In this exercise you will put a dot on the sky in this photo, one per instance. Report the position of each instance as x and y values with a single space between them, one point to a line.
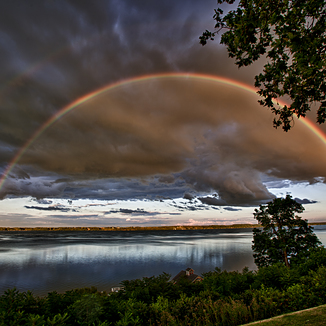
113 114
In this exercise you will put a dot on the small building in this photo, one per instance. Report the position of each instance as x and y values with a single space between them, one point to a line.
188 274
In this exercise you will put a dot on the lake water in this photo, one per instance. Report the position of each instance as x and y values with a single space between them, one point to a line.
60 261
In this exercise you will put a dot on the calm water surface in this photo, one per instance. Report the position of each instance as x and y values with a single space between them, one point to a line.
49 261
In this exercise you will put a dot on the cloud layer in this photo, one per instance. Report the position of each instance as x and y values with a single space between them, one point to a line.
155 139
164 137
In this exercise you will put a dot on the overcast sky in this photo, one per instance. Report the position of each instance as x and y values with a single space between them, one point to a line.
182 146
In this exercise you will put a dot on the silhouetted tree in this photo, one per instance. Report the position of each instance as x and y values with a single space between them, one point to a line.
291 35
285 237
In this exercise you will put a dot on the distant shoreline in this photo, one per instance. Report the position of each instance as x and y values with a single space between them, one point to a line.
141 228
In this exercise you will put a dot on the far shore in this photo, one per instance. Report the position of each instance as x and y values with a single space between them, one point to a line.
141 228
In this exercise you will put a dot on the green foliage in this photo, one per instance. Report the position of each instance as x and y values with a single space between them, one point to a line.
291 35
276 276
223 284
133 311
148 289
87 309
316 259
128 319
223 298
58 320
35 320
285 236
14 305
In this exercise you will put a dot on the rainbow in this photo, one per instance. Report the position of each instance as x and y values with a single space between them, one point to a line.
133 80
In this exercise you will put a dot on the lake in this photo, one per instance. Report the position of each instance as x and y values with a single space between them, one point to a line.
60 261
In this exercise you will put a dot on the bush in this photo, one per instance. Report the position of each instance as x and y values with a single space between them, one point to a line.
223 298
226 284
276 276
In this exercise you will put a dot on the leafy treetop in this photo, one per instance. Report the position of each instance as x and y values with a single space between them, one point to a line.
285 236
291 34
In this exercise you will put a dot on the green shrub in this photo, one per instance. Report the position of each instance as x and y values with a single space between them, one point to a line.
228 283
88 309
223 298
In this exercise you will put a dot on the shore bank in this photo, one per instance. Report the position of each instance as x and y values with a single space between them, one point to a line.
140 228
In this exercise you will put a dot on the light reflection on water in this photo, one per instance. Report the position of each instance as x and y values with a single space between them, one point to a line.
48 261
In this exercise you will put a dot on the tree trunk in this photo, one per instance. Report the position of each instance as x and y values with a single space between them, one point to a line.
285 258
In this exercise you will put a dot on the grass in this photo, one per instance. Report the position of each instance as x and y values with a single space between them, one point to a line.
309 317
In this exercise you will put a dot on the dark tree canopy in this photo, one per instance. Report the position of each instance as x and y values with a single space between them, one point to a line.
291 35
285 236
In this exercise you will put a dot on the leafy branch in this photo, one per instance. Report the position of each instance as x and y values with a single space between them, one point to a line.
291 35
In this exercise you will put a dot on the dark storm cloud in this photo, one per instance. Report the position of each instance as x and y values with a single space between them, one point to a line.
104 189
53 52
50 208
38 187
132 212
195 205
138 212
212 201
174 138
155 139
305 201
188 196
44 202
232 209
74 217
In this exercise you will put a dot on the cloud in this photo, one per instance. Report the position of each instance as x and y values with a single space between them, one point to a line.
305 201
188 196
154 139
167 149
38 187
76 217
138 212
132 212
50 208
194 205
232 209
44 201
212 201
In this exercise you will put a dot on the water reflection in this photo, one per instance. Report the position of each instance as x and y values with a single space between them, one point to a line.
48 261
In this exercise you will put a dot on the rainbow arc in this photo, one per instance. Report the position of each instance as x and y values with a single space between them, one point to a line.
130 81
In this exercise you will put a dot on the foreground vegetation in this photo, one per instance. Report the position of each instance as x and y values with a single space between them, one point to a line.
222 298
